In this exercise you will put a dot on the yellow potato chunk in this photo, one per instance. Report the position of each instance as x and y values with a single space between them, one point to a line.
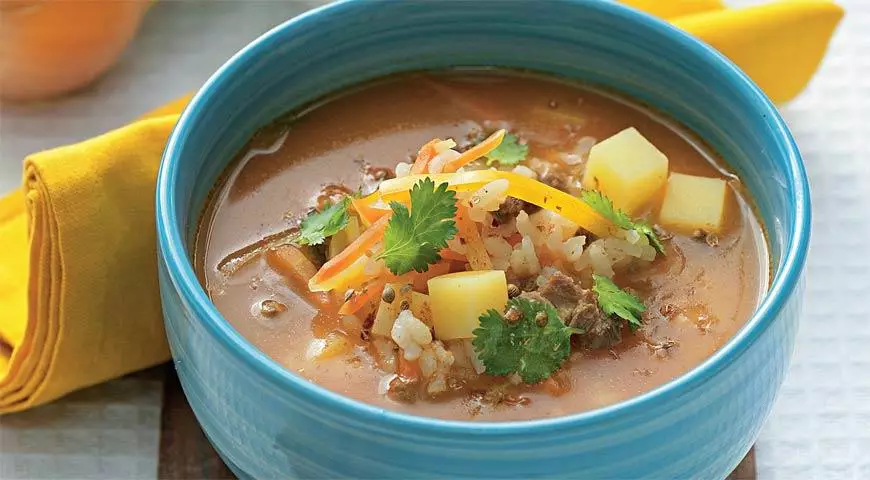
693 203
627 168
458 299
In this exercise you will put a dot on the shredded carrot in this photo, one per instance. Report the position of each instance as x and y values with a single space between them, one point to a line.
360 299
420 281
350 255
409 370
368 214
424 156
448 254
476 252
489 144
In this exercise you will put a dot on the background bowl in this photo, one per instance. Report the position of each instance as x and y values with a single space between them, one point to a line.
267 422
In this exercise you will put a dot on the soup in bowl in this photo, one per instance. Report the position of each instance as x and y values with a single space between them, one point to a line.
524 248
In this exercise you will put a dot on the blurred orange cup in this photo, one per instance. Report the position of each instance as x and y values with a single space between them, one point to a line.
51 47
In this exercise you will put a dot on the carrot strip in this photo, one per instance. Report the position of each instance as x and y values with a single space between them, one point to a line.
360 299
420 281
489 144
448 254
349 256
477 255
424 156
368 214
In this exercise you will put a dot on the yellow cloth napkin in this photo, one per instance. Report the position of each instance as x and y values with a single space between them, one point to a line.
78 274
79 302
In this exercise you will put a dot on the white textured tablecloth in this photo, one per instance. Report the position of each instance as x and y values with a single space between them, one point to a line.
820 427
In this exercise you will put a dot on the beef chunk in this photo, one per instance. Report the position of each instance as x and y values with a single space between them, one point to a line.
525 283
509 209
403 390
555 179
578 308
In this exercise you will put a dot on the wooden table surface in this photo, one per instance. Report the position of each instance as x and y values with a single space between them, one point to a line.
186 454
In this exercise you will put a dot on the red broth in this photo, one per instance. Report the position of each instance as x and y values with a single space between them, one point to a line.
697 296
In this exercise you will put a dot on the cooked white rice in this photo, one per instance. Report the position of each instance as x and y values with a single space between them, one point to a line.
403 169
410 334
525 171
435 363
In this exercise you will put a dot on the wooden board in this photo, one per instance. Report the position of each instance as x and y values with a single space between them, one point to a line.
185 453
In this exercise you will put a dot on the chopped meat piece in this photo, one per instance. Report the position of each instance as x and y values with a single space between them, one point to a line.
525 284
535 297
564 293
710 238
578 308
494 395
555 179
663 348
373 176
378 173
668 310
500 395
403 390
600 330
509 209
332 193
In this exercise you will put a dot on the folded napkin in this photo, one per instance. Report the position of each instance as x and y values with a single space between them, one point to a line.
79 302
78 273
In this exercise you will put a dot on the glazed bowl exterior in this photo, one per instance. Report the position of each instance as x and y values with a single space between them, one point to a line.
267 422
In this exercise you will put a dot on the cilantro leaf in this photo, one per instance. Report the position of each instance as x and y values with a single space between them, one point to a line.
615 301
318 225
524 347
509 152
492 342
414 238
605 208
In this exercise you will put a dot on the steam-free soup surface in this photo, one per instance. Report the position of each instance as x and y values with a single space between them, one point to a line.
697 295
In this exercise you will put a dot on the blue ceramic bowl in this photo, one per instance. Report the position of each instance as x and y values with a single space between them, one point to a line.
267 422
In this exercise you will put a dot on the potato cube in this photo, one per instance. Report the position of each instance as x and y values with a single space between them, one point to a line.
458 299
627 168
693 203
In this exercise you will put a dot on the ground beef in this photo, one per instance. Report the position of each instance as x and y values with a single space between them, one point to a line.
555 179
332 193
404 391
525 283
508 210
578 308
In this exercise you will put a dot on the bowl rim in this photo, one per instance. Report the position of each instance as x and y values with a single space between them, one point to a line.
185 281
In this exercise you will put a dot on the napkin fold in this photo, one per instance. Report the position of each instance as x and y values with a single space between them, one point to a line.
79 301
78 272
